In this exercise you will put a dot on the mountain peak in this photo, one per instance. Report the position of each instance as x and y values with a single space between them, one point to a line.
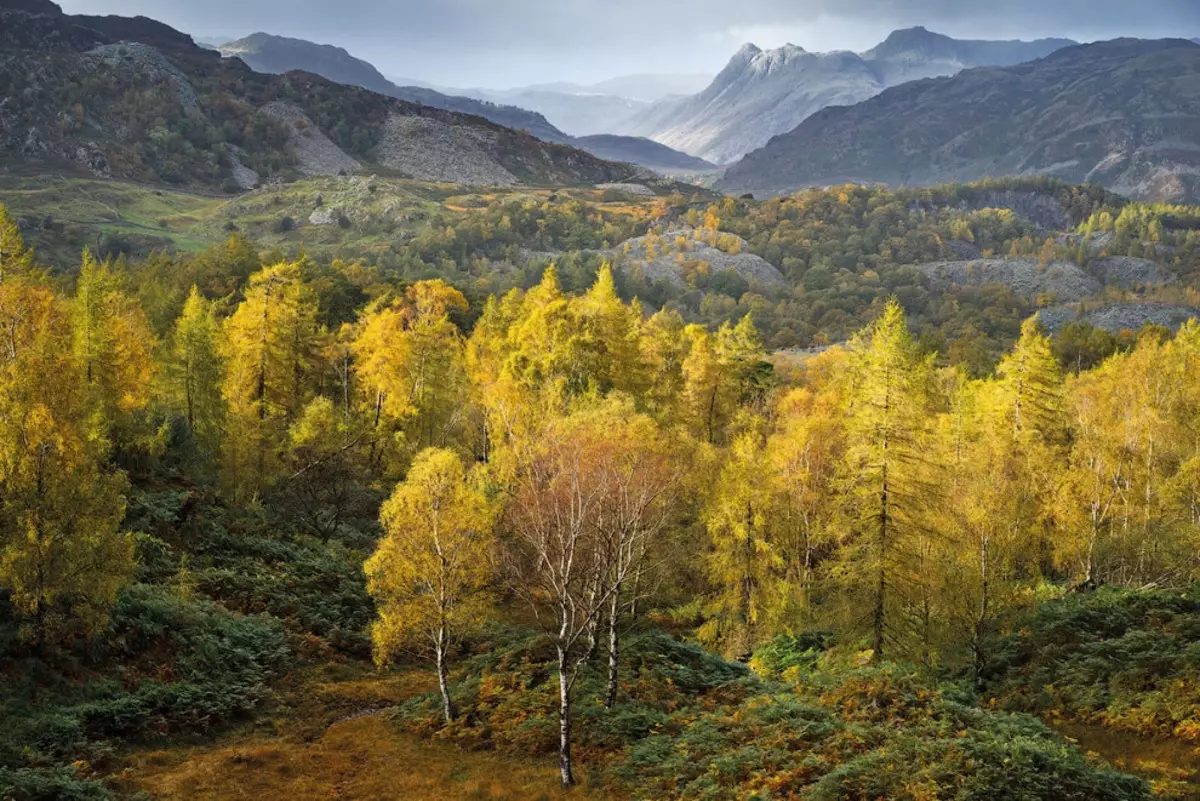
747 52
918 39
41 7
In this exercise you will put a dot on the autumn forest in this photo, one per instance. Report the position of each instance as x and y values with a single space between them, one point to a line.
666 559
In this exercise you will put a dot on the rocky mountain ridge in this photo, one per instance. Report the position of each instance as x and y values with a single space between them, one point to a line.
133 98
272 54
762 93
1124 114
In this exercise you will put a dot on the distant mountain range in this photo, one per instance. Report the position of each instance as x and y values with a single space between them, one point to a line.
133 98
1124 114
761 94
576 114
267 53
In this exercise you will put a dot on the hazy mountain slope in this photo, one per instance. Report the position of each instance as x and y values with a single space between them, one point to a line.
764 93
1125 114
133 98
574 113
277 54
917 53
645 152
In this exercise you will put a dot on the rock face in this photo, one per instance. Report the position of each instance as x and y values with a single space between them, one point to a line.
1130 122
151 63
761 94
1118 316
315 152
433 150
264 52
1064 280
662 258
1129 273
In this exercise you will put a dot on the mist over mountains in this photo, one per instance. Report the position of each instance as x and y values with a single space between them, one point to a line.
1124 114
762 93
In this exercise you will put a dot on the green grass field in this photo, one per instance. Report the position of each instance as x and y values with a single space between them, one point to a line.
355 217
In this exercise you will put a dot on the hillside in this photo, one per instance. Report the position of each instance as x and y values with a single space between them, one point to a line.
270 54
574 113
1124 114
267 53
644 152
764 93
134 99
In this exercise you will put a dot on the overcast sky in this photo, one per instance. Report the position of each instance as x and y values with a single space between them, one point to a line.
504 43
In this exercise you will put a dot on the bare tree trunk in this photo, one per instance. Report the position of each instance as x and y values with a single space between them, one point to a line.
564 720
878 614
610 695
443 680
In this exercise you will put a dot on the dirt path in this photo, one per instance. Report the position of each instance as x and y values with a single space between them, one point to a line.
331 738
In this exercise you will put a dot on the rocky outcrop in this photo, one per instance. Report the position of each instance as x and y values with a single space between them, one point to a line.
1028 278
433 150
315 152
1130 273
1118 317
665 257
150 63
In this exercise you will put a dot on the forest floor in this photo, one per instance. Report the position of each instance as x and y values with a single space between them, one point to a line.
1172 766
329 735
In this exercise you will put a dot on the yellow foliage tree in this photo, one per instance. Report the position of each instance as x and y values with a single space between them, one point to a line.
272 349
431 572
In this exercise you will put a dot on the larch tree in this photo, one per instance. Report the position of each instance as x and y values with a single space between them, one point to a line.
15 259
886 489
114 345
431 572
62 555
802 458
272 348
744 560
1003 441
195 370
409 362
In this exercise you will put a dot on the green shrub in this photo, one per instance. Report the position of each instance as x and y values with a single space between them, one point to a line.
1123 658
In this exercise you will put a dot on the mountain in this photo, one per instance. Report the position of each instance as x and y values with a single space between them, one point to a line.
762 93
600 108
268 53
1124 114
132 98
651 87
271 54
574 113
643 152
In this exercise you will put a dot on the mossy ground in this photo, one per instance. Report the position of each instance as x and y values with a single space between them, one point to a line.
331 736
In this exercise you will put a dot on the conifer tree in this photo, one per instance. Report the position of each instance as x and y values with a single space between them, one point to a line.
195 370
745 562
62 556
272 349
886 487
114 345
410 364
